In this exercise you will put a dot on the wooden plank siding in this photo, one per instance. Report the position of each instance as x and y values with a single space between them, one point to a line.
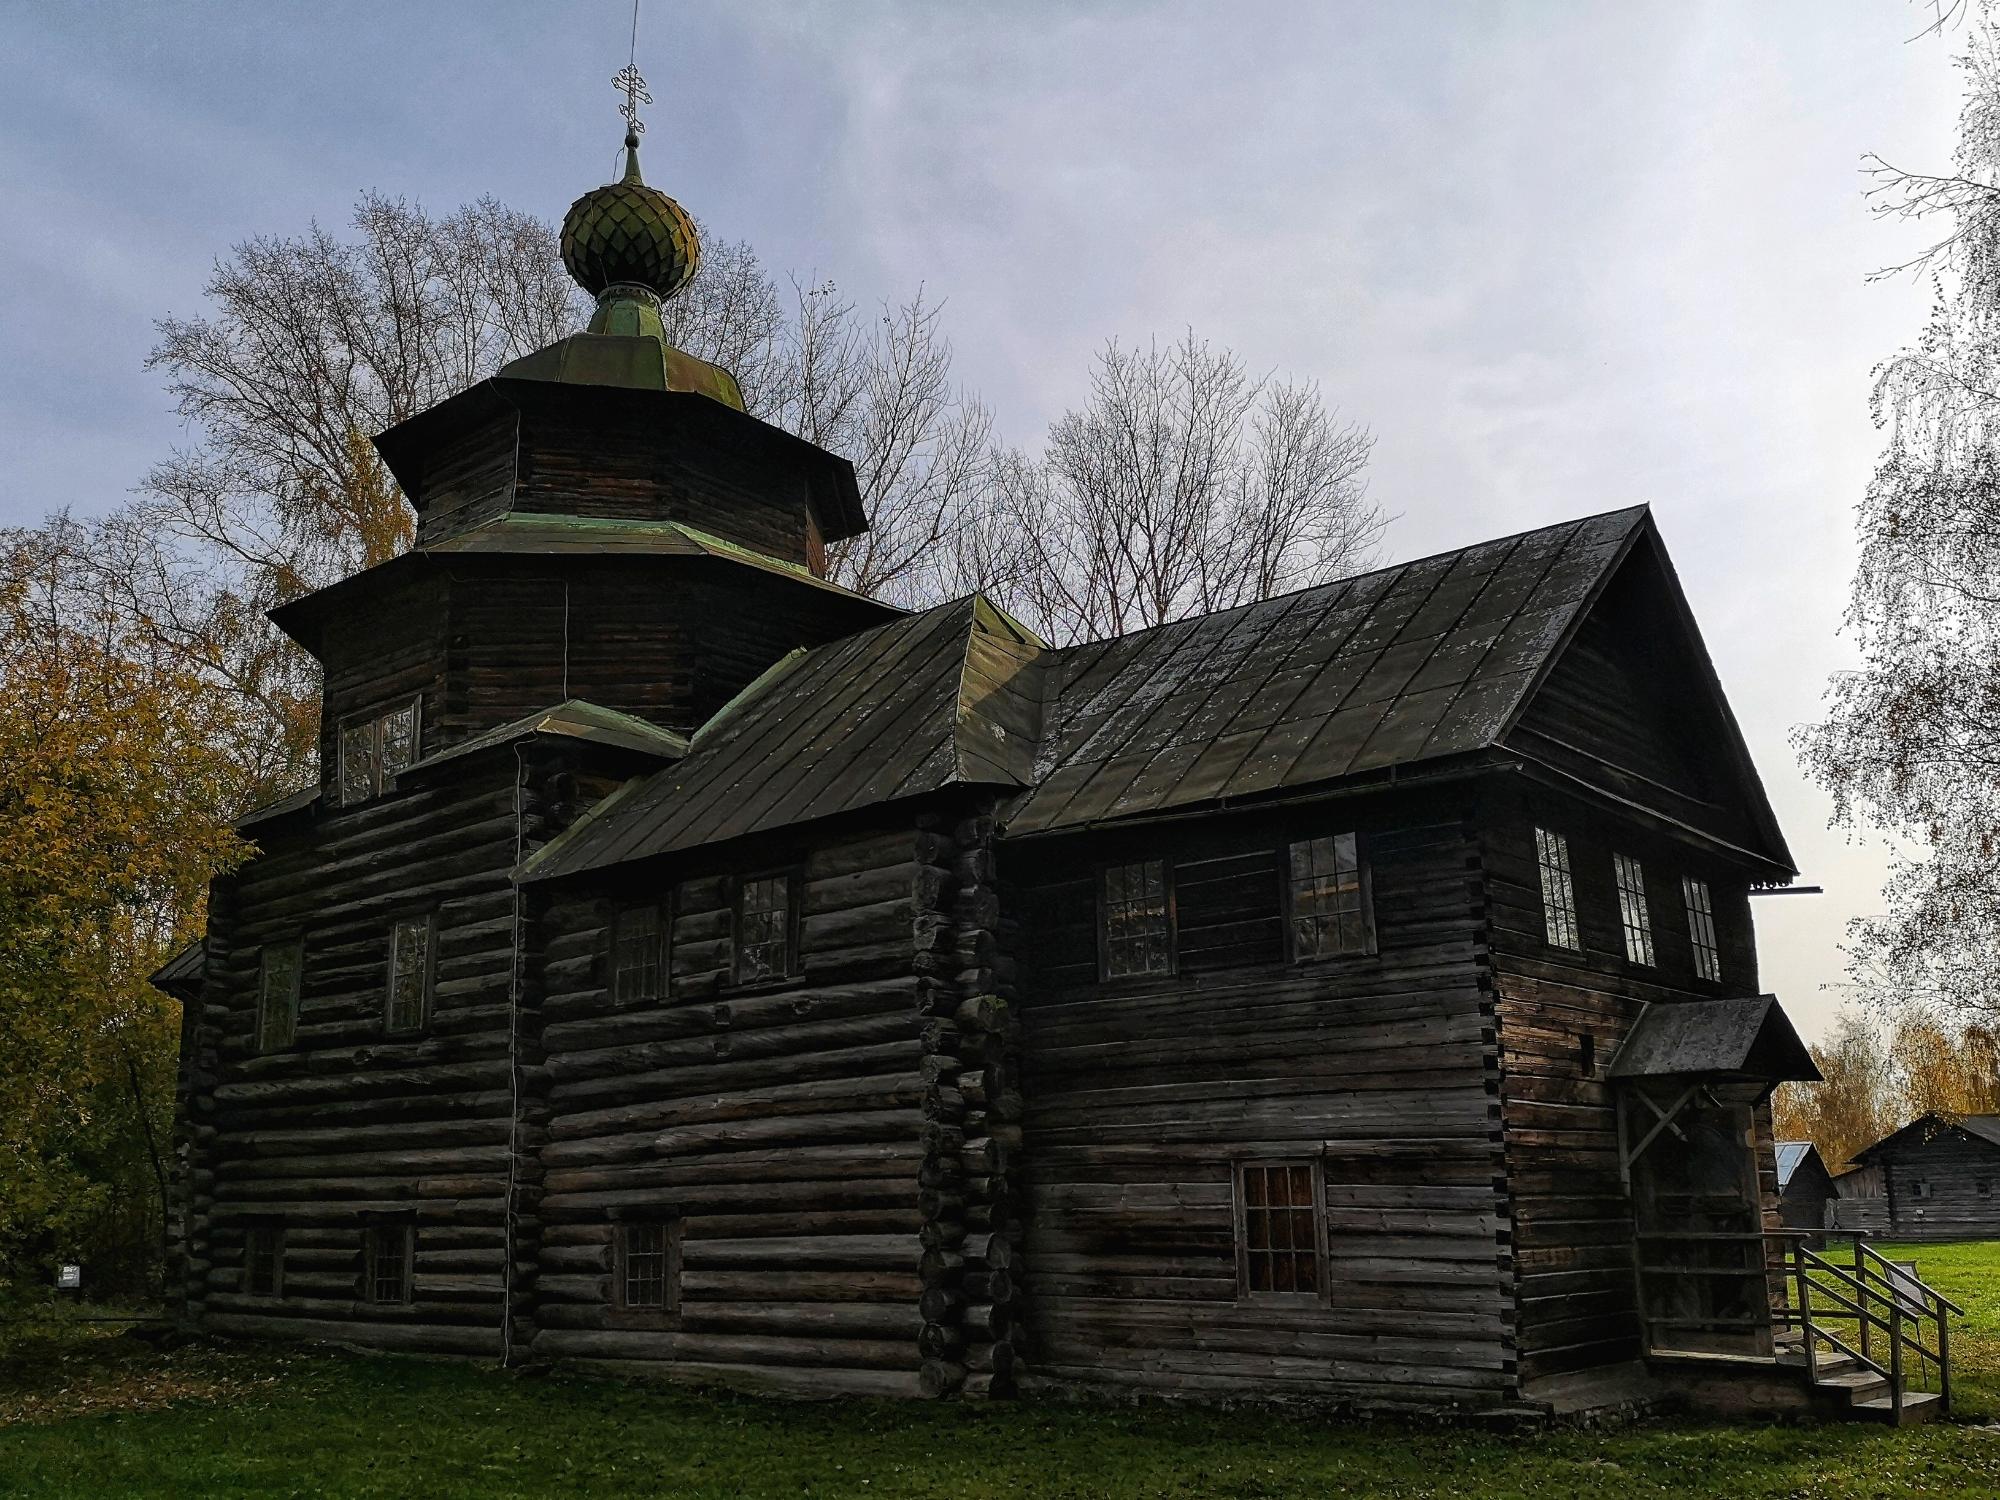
1961 1187
1574 1268
1380 1070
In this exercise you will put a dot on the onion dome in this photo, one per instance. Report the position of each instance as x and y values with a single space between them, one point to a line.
626 234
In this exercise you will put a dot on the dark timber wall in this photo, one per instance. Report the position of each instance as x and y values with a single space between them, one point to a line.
1379 1070
1573 1224
785 1126
1962 1176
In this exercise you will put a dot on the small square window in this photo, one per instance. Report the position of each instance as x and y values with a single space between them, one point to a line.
764 913
1632 913
390 1252
359 770
1279 1239
1135 919
638 954
279 969
1558 894
1920 1188
411 953
649 1271
1329 898
264 1261
1701 928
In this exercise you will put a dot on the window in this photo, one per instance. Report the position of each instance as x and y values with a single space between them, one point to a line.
1985 1187
649 1269
279 966
638 954
264 1261
1701 928
1632 915
1920 1188
386 1265
1135 920
1329 898
1558 895
764 910
1278 1229
374 750
411 950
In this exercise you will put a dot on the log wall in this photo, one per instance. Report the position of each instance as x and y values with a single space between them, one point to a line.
785 1126
1381 1071
352 1122
1574 1269
1963 1178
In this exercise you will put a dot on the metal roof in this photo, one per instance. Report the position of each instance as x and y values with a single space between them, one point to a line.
1748 1039
949 696
1409 663
575 718
1790 1154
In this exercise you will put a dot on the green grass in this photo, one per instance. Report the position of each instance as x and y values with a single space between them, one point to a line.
87 1411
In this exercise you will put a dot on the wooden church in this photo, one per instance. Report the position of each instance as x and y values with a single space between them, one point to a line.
688 964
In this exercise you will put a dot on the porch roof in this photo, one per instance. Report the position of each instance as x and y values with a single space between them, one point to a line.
1743 1039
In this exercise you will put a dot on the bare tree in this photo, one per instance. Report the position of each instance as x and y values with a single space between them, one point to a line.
1183 485
1911 742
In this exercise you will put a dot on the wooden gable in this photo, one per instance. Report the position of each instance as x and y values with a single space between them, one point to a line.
1629 705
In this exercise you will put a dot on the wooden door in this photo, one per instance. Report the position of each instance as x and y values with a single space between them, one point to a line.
1692 1171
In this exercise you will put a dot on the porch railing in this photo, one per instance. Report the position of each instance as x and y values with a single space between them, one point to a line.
1861 1307
1870 1310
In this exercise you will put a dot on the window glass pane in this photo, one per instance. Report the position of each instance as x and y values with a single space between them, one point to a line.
399 742
388 1269
1558 895
1328 904
647 1265
1701 928
637 961
410 974
278 996
1280 1228
1137 939
763 929
1632 914
357 762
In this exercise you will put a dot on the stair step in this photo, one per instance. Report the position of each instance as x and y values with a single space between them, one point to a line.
1918 1406
1851 1380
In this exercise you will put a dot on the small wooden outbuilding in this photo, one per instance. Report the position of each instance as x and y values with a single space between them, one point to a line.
1805 1187
1940 1177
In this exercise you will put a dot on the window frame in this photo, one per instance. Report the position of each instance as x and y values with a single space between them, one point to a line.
381 780
1101 919
646 1313
794 884
1265 1297
274 1236
429 921
1548 840
1631 902
1370 946
261 1036
1707 951
375 1234
661 910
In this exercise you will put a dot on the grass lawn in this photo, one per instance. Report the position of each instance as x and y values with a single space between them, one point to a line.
86 1411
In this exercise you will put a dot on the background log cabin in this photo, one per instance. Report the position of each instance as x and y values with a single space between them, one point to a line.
686 963
1938 1178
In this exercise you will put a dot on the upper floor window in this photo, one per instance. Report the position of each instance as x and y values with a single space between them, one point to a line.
279 968
1701 928
389 1253
638 953
1280 1248
373 750
1135 920
648 1271
766 937
264 1261
1632 914
1558 894
412 963
1329 898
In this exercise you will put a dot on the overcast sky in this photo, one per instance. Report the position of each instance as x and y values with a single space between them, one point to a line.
1558 257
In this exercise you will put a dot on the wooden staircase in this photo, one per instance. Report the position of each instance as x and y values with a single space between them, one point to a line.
1870 1338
